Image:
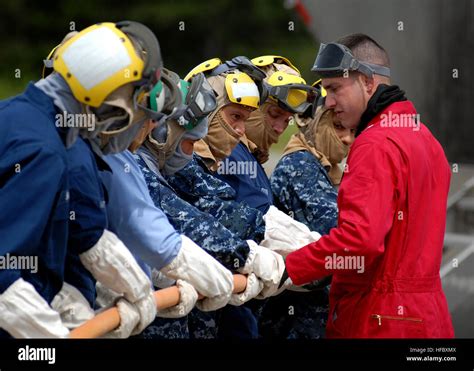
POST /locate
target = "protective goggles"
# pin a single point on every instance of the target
(163, 97)
(243, 64)
(200, 101)
(334, 59)
(196, 99)
(290, 91)
(294, 98)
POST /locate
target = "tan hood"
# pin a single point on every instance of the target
(319, 137)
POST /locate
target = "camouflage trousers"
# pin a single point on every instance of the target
(196, 325)
(295, 315)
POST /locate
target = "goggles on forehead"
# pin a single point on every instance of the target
(334, 59)
(162, 99)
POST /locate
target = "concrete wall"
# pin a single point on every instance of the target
(437, 37)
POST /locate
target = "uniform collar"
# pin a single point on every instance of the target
(39, 99)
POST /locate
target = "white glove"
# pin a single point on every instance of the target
(283, 234)
(204, 273)
(129, 319)
(160, 280)
(72, 306)
(267, 265)
(105, 297)
(188, 297)
(254, 287)
(25, 314)
(112, 264)
(134, 317)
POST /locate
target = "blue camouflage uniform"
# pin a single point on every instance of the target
(203, 189)
(199, 226)
(301, 188)
(198, 186)
(143, 228)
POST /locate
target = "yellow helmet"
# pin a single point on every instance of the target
(266, 60)
(241, 89)
(208, 65)
(290, 91)
(317, 84)
(102, 58)
(215, 66)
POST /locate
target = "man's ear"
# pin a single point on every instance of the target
(368, 83)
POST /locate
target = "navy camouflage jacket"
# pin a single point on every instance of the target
(198, 186)
(301, 188)
(201, 227)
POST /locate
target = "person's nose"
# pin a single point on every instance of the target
(330, 102)
(240, 128)
(280, 127)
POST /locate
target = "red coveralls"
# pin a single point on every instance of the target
(392, 213)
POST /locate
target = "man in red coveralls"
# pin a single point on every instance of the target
(385, 254)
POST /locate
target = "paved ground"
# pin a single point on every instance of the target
(458, 282)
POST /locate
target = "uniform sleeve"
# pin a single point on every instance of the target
(366, 207)
(88, 217)
(30, 178)
(213, 196)
(133, 216)
(199, 226)
(303, 191)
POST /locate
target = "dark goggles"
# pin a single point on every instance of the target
(334, 59)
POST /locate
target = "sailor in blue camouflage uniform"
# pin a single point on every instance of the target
(304, 186)
(197, 185)
(167, 150)
(197, 182)
(287, 95)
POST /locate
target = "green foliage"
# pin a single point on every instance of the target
(212, 28)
